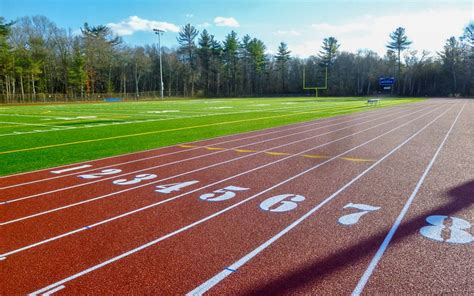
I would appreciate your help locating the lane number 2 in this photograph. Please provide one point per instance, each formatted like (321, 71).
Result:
(447, 229)
(222, 194)
(137, 179)
(102, 173)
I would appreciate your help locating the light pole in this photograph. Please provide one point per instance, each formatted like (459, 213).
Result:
(159, 33)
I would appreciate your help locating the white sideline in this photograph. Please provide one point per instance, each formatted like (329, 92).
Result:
(135, 250)
(206, 286)
(383, 247)
(177, 152)
(199, 169)
(161, 202)
(182, 160)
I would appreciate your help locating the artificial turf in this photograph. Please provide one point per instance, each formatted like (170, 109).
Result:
(40, 136)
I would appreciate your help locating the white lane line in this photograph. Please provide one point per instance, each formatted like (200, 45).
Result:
(52, 291)
(189, 172)
(199, 141)
(187, 159)
(71, 169)
(206, 286)
(173, 198)
(383, 247)
(381, 110)
(189, 226)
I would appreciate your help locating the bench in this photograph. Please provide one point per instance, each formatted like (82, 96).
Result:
(373, 102)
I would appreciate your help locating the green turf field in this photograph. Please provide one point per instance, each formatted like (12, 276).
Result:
(39, 136)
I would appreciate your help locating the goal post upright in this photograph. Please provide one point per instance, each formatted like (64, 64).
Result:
(315, 88)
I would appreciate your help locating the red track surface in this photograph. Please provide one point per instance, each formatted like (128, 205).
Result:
(358, 194)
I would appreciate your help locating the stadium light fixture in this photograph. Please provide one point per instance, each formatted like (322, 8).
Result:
(159, 33)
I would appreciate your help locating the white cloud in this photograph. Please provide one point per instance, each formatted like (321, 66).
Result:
(428, 30)
(204, 25)
(287, 33)
(189, 15)
(221, 21)
(134, 24)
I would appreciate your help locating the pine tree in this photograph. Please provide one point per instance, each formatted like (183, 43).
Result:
(282, 57)
(329, 52)
(187, 48)
(399, 42)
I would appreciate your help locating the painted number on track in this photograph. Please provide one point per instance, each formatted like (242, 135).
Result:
(354, 218)
(447, 229)
(102, 173)
(137, 179)
(168, 188)
(281, 203)
(222, 194)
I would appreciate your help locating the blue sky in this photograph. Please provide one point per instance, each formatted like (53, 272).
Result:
(300, 23)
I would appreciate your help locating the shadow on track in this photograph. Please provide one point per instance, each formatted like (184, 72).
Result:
(462, 197)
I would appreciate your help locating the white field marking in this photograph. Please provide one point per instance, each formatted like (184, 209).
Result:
(32, 124)
(162, 119)
(25, 115)
(183, 160)
(189, 226)
(295, 126)
(222, 107)
(181, 195)
(206, 286)
(73, 118)
(383, 247)
(163, 111)
(72, 169)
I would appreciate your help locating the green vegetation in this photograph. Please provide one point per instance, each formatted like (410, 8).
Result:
(40, 61)
(40, 136)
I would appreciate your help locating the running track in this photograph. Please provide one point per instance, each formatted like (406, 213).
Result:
(379, 202)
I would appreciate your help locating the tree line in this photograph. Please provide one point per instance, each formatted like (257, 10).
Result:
(38, 59)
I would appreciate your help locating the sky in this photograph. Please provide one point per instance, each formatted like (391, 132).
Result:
(302, 24)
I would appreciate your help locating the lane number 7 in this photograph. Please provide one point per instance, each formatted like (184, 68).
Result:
(353, 218)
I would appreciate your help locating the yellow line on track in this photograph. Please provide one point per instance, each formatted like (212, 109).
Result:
(273, 153)
(244, 150)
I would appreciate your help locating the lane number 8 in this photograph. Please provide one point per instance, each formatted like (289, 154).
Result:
(455, 228)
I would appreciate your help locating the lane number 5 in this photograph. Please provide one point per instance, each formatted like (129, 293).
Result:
(222, 194)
